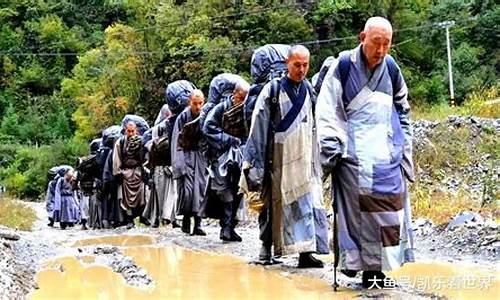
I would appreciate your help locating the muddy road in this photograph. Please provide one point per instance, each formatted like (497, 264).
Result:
(164, 263)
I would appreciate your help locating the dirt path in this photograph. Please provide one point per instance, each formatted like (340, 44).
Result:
(44, 243)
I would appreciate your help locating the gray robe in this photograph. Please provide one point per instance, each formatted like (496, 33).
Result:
(163, 200)
(189, 170)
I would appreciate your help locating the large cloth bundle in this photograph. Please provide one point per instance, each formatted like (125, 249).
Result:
(57, 170)
(159, 155)
(233, 121)
(131, 152)
(110, 134)
(95, 145)
(190, 136)
(142, 125)
(89, 165)
(163, 114)
(317, 80)
(221, 87)
(268, 62)
(177, 95)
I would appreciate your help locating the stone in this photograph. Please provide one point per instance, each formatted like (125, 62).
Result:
(464, 218)
(9, 236)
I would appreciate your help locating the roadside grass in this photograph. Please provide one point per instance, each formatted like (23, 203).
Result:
(15, 215)
(446, 155)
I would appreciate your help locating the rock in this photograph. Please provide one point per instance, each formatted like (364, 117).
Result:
(9, 236)
(106, 250)
(465, 218)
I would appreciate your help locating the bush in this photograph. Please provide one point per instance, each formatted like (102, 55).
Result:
(14, 214)
(23, 169)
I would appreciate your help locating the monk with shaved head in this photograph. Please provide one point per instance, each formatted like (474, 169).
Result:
(188, 163)
(281, 162)
(365, 137)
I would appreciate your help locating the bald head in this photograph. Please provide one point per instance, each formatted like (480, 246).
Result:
(298, 62)
(376, 40)
(378, 22)
(196, 101)
(298, 49)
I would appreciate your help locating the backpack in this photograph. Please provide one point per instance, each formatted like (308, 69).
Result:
(131, 153)
(345, 65)
(221, 87)
(190, 136)
(320, 76)
(233, 121)
(142, 125)
(159, 155)
(268, 62)
(88, 165)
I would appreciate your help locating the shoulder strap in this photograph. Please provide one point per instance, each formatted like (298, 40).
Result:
(274, 98)
(312, 96)
(343, 67)
(392, 67)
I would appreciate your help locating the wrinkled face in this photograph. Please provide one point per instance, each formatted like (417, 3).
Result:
(376, 43)
(195, 104)
(69, 175)
(239, 97)
(298, 66)
(131, 130)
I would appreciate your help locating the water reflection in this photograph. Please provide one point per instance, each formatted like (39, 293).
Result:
(117, 240)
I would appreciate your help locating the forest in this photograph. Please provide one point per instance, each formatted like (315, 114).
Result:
(70, 68)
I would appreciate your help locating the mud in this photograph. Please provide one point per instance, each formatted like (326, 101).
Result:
(145, 262)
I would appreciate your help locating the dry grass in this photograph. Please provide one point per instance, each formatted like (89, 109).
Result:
(14, 214)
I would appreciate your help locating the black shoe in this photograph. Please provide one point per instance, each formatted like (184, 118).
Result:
(349, 273)
(373, 279)
(186, 224)
(63, 225)
(306, 260)
(235, 237)
(175, 224)
(265, 253)
(225, 234)
(199, 231)
(84, 225)
(144, 221)
(105, 224)
(130, 225)
(156, 224)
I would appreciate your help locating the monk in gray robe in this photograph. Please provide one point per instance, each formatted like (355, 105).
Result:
(189, 167)
(281, 160)
(366, 136)
(127, 165)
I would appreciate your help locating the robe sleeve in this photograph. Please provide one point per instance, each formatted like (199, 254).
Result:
(178, 160)
(57, 193)
(116, 158)
(403, 109)
(331, 121)
(255, 148)
(48, 203)
(215, 135)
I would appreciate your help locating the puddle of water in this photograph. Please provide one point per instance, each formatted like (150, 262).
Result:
(117, 240)
(450, 280)
(184, 274)
(178, 274)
